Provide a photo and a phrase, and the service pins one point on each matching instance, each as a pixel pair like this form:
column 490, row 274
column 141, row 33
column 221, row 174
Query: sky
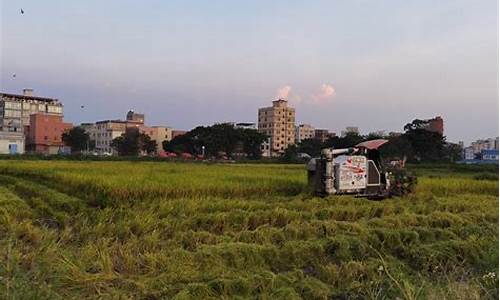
column 372, row 64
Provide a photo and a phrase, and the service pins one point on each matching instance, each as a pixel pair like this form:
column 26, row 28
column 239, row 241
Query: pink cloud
column 283, row 92
column 324, row 94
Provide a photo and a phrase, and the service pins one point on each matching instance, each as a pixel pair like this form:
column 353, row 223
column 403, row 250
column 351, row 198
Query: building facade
column 158, row 134
column 435, row 125
column 323, row 134
column 278, row 122
column 135, row 118
column 44, row 135
column 489, row 154
column 469, row 153
column 11, row 142
column 105, row 132
column 303, row 132
column 15, row 110
column 485, row 144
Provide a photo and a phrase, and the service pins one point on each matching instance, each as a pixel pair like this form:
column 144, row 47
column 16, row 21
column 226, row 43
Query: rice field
column 153, row 230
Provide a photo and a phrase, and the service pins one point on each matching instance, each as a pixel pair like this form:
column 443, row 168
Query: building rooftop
column 25, row 97
column 111, row 121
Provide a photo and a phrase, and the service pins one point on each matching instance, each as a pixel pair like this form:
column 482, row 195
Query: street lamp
column 203, row 151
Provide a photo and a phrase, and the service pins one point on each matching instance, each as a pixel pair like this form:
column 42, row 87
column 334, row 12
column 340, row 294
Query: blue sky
column 374, row 64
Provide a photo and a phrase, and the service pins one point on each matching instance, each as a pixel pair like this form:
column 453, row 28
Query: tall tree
column 427, row 145
column 77, row 139
column 218, row 139
column 133, row 142
column 310, row 146
column 349, row 140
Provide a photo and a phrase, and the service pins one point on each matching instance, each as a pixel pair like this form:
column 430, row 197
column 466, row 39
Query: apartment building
column 135, row 118
column 105, row 132
column 486, row 144
column 278, row 122
column 303, row 132
column 435, row 125
column 44, row 134
column 158, row 134
column 15, row 110
column 90, row 129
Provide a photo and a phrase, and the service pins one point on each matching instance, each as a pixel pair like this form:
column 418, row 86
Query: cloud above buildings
column 283, row 92
column 324, row 94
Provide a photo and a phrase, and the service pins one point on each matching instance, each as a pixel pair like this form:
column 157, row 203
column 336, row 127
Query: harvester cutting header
column 358, row 171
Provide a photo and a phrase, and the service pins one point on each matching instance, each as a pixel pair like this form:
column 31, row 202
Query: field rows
column 151, row 231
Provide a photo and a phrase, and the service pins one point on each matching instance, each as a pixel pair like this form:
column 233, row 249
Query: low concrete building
column 15, row 110
column 158, row 134
column 303, row 132
column 469, row 153
column 11, row 142
column 44, row 133
column 105, row 132
column 489, row 154
column 323, row 134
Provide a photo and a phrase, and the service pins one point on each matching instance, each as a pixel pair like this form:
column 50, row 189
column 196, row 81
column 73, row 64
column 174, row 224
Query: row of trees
column 218, row 140
column 417, row 144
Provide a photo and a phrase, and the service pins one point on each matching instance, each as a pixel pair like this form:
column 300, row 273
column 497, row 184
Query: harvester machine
column 358, row 171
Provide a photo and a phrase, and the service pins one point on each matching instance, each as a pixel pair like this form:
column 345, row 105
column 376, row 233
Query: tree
column 148, row 145
column 290, row 155
column 351, row 139
column 427, row 145
column 453, row 152
column 77, row 139
column 416, row 124
column 218, row 139
column 252, row 140
column 398, row 147
column 133, row 142
column 312, row 147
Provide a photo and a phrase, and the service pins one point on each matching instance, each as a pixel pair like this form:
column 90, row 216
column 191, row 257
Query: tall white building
column 278, row 122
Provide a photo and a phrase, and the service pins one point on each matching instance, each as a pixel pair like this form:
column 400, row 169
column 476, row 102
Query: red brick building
column 44, row 134
column 435, row 125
